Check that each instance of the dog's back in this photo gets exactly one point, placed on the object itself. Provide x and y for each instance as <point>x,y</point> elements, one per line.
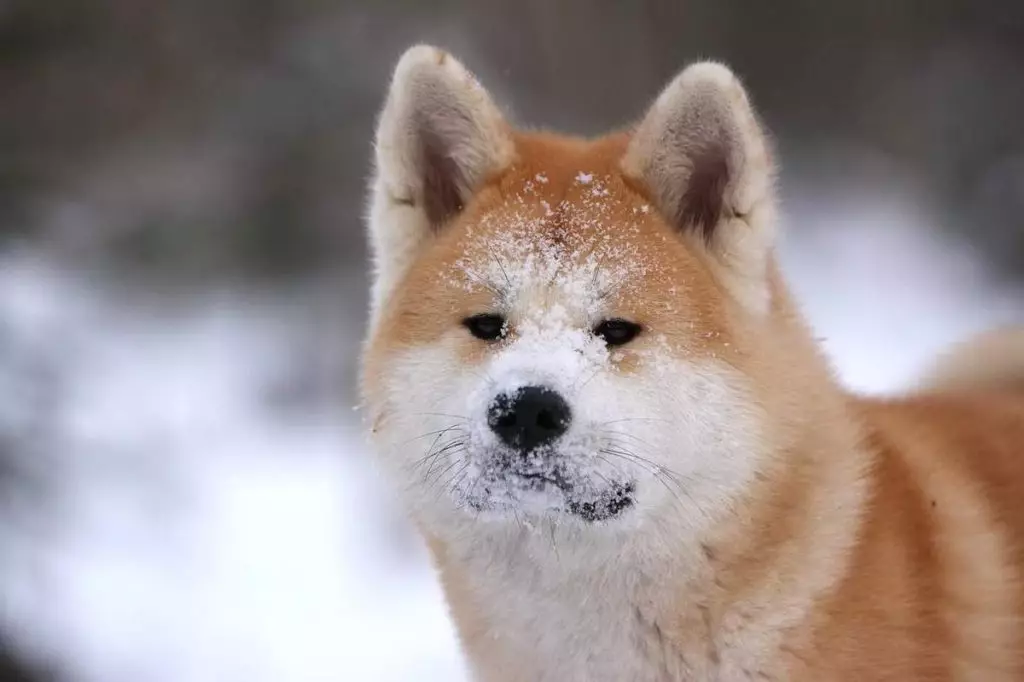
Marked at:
<point>991,361</point>
<point>936,589</point>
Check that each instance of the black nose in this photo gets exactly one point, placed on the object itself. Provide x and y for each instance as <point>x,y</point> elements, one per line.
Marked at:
<point>528,418</point>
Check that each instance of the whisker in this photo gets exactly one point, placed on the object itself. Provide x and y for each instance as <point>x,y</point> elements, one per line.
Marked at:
<point>603,477</point>
<point>431,433</point>
<point>463,472</point>
<point>627,435</point>
<point>502,267</point>
<point>455,443</point>
<point>611,464</point>
<point>441,414</point>
<point>654,465</point>
<point>432,454</point>
<point>515,512</point>
<point>635,419</point>
<point>431,449</point>
<point>468,495</point>
<point>484,283</point>
<point>610,436</point>
<point>441,489</point>
<point>440,475</point>
<point>657,472</point>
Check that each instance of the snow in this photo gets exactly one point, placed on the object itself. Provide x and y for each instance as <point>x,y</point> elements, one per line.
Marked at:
<point>886,291</point>
<point>509,258</point>
<point>205,535</point>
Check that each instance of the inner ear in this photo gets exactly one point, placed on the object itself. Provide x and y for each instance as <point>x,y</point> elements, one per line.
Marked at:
<point>701,153</point>
<point>443,180</point>
<point>439,137</point>
<point>703,205</point>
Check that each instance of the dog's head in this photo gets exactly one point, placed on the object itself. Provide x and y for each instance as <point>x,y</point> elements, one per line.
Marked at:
<point>568,329</point>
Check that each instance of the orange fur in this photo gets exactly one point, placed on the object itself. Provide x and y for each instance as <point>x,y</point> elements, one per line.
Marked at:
<point>880,540</point>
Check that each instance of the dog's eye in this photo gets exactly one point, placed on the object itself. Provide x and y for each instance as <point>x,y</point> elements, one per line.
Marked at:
<point>486,326</point>
<point>617,332</point>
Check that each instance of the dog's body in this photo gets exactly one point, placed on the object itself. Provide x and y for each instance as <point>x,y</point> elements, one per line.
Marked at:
<point>627,454</point>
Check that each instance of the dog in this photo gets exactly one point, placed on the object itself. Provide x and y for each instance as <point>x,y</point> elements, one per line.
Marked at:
<point>627,455</point>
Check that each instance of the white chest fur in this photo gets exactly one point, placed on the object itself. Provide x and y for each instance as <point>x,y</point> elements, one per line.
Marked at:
<point>561,613</point>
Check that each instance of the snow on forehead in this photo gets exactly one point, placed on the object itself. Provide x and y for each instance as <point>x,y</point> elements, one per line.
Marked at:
<point>584,248</point>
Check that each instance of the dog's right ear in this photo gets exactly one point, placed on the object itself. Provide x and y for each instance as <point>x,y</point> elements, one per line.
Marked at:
<point>439,137</point>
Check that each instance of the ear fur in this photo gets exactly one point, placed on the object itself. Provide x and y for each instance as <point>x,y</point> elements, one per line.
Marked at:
<point>439,136</point>
<point>706,162</point>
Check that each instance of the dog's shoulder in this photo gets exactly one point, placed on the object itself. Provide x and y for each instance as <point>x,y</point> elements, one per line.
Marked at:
<point>937,580</point>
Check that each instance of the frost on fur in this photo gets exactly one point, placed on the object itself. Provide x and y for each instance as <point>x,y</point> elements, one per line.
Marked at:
<point>438,137</point>
<point>586,258</point>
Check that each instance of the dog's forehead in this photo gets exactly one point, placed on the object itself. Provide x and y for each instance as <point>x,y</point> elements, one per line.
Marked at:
<point>578,236</point>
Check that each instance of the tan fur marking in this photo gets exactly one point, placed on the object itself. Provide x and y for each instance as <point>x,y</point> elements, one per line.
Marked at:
<point>844,538</point>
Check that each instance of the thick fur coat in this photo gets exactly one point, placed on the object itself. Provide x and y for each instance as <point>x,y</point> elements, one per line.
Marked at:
<point>708,502</point>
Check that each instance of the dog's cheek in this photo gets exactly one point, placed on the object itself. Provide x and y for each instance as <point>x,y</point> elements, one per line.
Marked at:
<point>422,392</point>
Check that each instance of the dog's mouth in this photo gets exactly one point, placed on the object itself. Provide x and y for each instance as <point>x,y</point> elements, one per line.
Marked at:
<point>615,500</point>
<point>539,480</point>
<point>552,490</point>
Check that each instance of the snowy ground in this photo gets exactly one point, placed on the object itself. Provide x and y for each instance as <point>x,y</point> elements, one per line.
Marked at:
<point>205,534</point>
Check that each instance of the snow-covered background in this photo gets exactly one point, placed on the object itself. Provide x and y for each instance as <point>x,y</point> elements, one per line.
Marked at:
<point>207,530</point>
<point>203,527</point>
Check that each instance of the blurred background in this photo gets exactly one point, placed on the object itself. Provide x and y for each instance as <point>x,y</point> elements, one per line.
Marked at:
<point>184,491</point>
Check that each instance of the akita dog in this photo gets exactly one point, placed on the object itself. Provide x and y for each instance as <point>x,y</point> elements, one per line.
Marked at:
<point>621,443</point>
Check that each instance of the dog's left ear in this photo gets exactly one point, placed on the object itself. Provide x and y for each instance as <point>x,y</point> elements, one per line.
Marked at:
<point>706,163</point>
